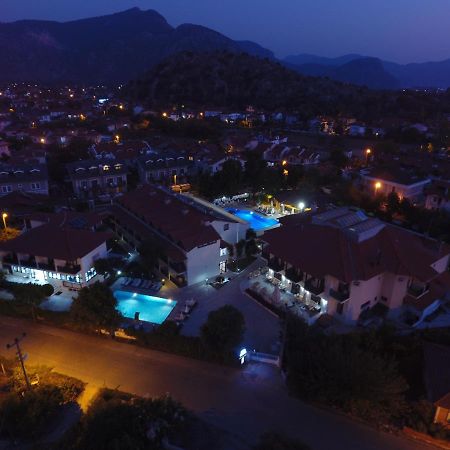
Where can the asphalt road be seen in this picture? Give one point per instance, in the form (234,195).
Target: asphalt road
(243,402)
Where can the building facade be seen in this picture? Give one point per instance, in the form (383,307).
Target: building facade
(347,263)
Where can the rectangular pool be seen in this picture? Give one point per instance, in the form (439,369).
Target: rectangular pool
(256,221)
(150,309)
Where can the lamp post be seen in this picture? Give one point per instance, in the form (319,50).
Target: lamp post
(4,216)
(368,152)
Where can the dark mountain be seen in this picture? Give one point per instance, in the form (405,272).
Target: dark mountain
(236,80)
(226,80)
(368,72)
(427,74)
(306,58)
(105,49)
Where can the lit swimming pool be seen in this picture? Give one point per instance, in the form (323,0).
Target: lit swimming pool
(150,309)
(256,221)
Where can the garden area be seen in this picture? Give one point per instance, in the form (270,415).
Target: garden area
(376,376)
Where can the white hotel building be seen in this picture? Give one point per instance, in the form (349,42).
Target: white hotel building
(347,263)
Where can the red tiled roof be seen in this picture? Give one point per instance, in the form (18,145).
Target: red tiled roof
(183,224)
(56,242)
(325,250)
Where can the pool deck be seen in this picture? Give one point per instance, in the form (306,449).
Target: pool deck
(117,286)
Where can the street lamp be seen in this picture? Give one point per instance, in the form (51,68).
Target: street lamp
(4,216)
(377,186)
(368,152)
(301,206)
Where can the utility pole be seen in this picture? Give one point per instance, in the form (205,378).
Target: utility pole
(20,356)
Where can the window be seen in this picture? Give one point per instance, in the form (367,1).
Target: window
(35,186)
(6,189)
(226,227)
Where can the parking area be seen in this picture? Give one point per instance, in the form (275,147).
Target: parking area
(262,326)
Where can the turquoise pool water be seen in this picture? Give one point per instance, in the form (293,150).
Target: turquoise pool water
(256,221)
(151,309)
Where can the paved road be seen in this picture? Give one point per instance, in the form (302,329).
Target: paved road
(243,402)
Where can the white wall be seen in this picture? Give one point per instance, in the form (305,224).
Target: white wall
(203,263)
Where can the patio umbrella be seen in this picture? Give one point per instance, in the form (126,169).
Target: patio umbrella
(276,295)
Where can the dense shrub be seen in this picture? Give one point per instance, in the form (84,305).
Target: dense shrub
(28,414)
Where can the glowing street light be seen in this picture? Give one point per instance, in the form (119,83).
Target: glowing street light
(301,206)
(4,216)
(368,152)
(377,187)
(284,162)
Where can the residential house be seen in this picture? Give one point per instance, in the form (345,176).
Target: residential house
(438,195)
(25,177)
(437,380)
(54,253)
(405,183)
(155,168)
(97,177)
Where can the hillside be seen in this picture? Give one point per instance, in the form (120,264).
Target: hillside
(224,79)
(107,49)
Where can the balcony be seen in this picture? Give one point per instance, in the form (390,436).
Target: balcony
(47,266)
(72,270)
(294,275)
(315,286)
(275,265)
(340,295)
(11,259)
(30,262)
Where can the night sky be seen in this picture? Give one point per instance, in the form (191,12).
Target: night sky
(397,30)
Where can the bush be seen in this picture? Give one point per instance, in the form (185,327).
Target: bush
(121,421)
(28,414)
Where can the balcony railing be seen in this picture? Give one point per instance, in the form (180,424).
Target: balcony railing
(73,270)
(416,291)
(340,295)
(315,287)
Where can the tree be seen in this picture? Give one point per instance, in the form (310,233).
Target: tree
(95,306)
(224,329)
(393,203)
(103,266)
(116,420)
(350,372)
(239,248)
(30,294)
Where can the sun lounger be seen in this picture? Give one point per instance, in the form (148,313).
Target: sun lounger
(125,282)
(136,282)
